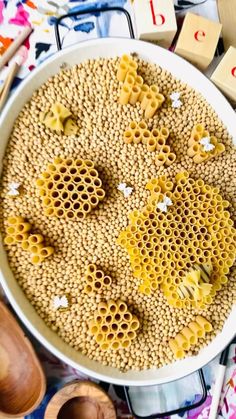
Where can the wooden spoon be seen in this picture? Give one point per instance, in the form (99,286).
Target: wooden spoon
(80,400)
(22,381)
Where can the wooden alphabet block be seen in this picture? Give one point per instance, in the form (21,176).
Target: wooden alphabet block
(155,21)
(198,40)
(224,75)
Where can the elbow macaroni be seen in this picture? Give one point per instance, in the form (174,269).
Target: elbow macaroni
(187,250)
(70,188)
(59,119)
(196,149)
(134,90)
(96,280)
(155,140)
(113,326)
(189,336)
(18,231)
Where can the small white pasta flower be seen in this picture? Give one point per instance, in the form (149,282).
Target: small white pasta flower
(175,96)
(13,189)
(176,102)
(163,206)
(206,143)
(60,302)
(126,190)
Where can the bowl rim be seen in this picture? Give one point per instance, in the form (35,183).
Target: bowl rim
(145,51)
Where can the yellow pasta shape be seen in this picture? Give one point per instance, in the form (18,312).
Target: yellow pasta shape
(144,91)
(135,90)
(191,333)
(196,284)
(204,324)
(18,231)
(70,188)
(155,140)
(182,241)
(58,118)
(176,349)
(113,326)
(202,146)
(95,280)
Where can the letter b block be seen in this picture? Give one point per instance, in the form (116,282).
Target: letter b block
(198,40)
(155,21)
(224,75)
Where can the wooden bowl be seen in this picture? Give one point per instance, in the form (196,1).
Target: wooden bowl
(80,400)
(22,381)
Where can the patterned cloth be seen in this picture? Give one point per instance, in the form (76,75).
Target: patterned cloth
(41,14)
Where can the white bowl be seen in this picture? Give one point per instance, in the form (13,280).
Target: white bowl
(110,47)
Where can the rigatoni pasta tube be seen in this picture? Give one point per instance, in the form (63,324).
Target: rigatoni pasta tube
(189,335)
(160,159)
(139,81)
(151,144)
(171,157)
(129,81)
(193,150)
(204,323)
(144,91)
(135,92)
(142,125)
(177,351)
(122,71)
(125,95)
(151,108)
(200,157)
(194,139)
(146,99)
(182,342)
(146,134)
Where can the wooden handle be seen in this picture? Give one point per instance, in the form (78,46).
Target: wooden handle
(7,84)
(80,399)
(15,45)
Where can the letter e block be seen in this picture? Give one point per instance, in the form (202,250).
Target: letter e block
(155,21)
(198,40)
(224,75)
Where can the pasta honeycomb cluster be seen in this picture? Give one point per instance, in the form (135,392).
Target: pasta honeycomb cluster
(197,150)
(134,90)
(59,119)
(193,228)
(70,188)
(155,140)
(18,231)
(114,327)
(189,336)
(95,279)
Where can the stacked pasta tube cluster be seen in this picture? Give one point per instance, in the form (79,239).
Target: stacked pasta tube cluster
(59,118)
(189,336)
(134,90)
(198,150)
(70,188)
(114,327)
(95,279)
(155,140)
(18,231)
(195,229)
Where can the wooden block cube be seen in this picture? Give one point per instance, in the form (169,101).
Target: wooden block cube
(198,40)
(224,75)
(155,21)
